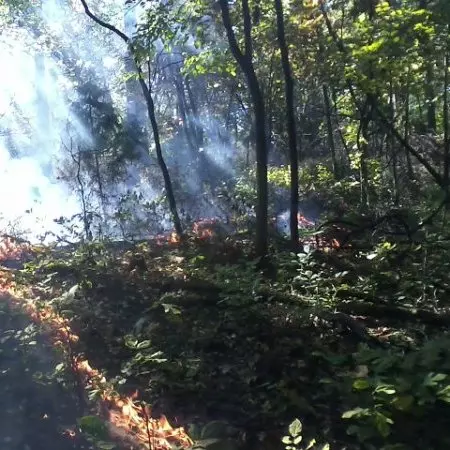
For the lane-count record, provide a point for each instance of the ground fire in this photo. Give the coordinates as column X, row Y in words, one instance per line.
column 127, row 418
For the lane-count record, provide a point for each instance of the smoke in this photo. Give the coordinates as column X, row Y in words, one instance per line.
column 27, row 152
column 50, row 52
column 44, row 53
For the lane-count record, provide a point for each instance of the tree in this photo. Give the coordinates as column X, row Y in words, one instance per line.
column 245, row 61
column 290, row 116
column 152, row 116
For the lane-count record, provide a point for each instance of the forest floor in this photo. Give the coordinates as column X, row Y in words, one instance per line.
column 36, row 413
column 199, row 333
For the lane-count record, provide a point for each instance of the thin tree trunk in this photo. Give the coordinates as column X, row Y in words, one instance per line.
column 135, row 106
column 152, row 116
column 445, row 115
column 182, row 108
column 409, row 166
column 429, row 80
column 199, row 133
column 430, row 100
column 159, row 155
column 363, row 147
column 244, row 59
column 330, row 134
column 340, row 134
column 391, row 145
column 291, row 128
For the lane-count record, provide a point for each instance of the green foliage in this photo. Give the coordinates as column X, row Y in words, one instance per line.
column 279, row 176
column 97, row 432
column 294, row 440
column 395, row 390
column 209, row 62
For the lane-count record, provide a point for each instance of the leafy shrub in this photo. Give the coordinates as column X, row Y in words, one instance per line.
column 403, row 398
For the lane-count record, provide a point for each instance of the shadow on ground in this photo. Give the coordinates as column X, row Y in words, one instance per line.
column 36, row 413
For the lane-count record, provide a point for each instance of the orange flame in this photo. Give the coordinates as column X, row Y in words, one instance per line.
column 11, row 249
column 303, row 221
column 124, row 413
column 206, row 228
column 174, row 238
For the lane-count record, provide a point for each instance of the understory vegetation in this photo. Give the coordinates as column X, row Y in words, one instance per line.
column 351, row 339
column 258, row 255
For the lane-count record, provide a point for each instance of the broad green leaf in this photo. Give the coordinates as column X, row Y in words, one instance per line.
column 356, row 412
column 404, row 402
column 295, row 428
column 361, row 384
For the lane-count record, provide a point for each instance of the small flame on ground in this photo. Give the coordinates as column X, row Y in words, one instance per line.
column 124, row 413
column 304, row 222
column 69, row 433
column 206, row 228
column 174, row 238
column 11, row 249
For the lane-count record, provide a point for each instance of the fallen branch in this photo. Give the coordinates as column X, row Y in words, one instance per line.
column 395, row 312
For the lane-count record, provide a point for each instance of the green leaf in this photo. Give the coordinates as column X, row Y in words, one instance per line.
column 205, row 443
column 143, row 344
column 295, row 428
column 403, row 403
column 439, row 377
column 356, row 412
column 93, row 426
column 286, row 440
column 59, row 368
column 383, row 424
column 361, row 384
column 386, row 389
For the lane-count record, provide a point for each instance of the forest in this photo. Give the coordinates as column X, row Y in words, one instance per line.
column 236, row 231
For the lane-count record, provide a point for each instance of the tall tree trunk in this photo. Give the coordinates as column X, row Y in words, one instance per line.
column 193, row 130
column 430, row 98
column 445, row 116
column 330, row 134
column 199, row 132
column 391, row 144
column 182, row 108
column 365, row 121
column 135, row 105
column 429, row 80
column 152, row 116
column 363, row 147
column 245, row 61
column 159, row 154
column 97, row 171
column 409, row 166
column 291, row 128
